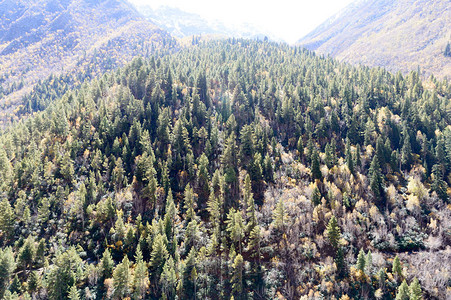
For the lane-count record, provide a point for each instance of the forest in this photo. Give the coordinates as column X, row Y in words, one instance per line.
column 231, row 169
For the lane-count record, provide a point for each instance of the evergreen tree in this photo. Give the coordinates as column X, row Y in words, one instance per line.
column 403, row 291
column 168, row 278
column 316, row 196
column 349, row 159
column 189, row 203
column 376, row 182
column 121, row 279
column 333, row 232
column 300, row 148
column 316, row 172
column 237, row 277
column 280, row 216
column 415, row 292
column 397, row 269
column 158, row 257
column 140, row 276
column 235, row 227
column 438, row 184
column 361, row 261
column 15, row 286
column 73, row 293
column 6, row 219
column 106, row 265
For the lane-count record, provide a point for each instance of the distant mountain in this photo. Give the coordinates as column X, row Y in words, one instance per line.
column 398, row 35
column 181, row 24
column 39, row 38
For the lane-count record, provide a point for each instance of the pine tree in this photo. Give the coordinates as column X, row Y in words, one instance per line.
column 168, row 278
column 349, row 160
column 438, row 184
column 158, row 257
column 33, row 281
column 376, row 182
column 229, row 160
column 361, row 261
column 235, row 227
column 106, row 265
column 237, row 277
column 248, row 201
column 397, row 269
column 329, row 159
column 316, row 172
column 15, row 286
column 280, row 216
column 203, row 189
column 73, row 293
column 316, row 196
column 121, row 279
column 27, row 253
column 140, row 276
column 6, row 219
column 187, row 285
column 403, row 291
column 189, row 204
column 415, row 292
column 369, row 262
column 406, row 152
column 333, row 232
column 300, row 148
column 340, row 263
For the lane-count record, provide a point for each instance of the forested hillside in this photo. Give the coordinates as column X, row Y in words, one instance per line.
column 231, row 170
column 72, row 40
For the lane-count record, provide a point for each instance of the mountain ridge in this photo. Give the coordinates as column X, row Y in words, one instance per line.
column 38, row 39
column 397, row 35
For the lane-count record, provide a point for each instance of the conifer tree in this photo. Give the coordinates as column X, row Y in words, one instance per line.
column 140, row 276
column 415, row 292
column 376, row 180
column 406, row 152
column 280, row 216
column 189, row 203
column 329, row 160
column 397, row 269
column 403, row 291
column 106, row 265
column 15, row 286
column 237, row 277
column 316, row 196
column 340, row 263
column 316, row 172
column 6, row 219
column 121, row 279
column 235, row 227
column 438, row 184
column 361, row 261
column 300, row 148
column 73, row 293
column 168, row 278
column 349, row 159
column 333, row 232
column 369, row 262
column 158, row 257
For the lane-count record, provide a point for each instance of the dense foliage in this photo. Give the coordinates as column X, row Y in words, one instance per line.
column 231, row 169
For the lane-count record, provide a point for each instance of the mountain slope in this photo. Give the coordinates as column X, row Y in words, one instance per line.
column 181, row 24
column 39, row 38
column 228, row 169
column 398, row 35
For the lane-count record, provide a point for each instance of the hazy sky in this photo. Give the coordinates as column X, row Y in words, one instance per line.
column 287, row 19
